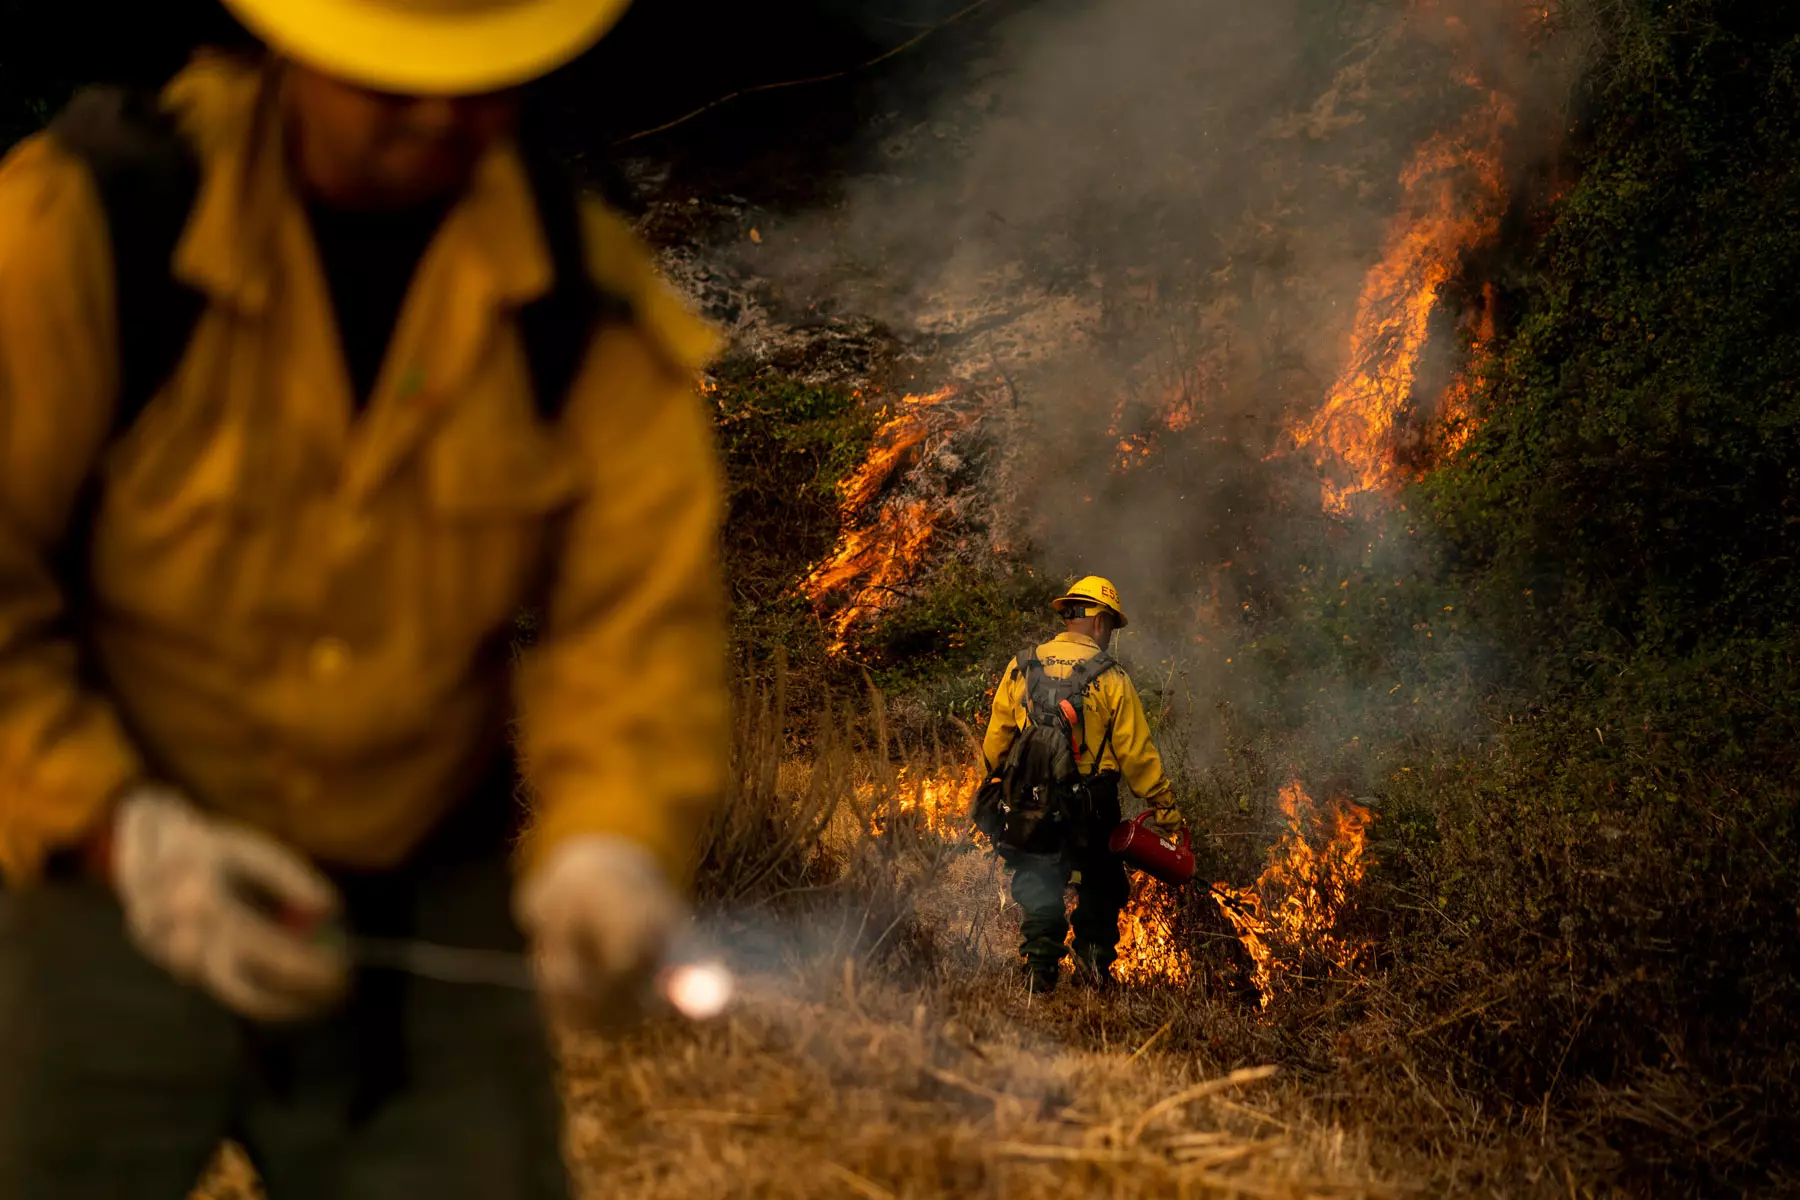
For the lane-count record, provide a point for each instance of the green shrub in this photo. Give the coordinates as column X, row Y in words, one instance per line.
column 786, row 446
column 1610, row 885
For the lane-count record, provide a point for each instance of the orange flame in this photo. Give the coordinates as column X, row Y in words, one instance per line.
column 876, row 555
column 1454, row 196
column 937, row 803
column 1292, row 913
column 1149, row 950
column 1456, row 412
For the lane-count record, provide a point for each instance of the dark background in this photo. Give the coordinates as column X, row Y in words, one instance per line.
column 665, row 58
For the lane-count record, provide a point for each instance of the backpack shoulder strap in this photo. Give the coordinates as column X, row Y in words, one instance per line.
column 147, row 176
column 1088, row 670
column 1037, row 699
column 558, row 327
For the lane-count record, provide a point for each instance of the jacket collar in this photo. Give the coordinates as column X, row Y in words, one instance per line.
column 228, row 250
column 1076, row 639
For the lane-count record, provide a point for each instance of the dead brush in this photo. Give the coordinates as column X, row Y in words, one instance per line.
column 846, row 830
column 768, row 837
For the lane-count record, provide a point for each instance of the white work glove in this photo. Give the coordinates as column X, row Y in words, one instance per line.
column 601, row 915
column 205, row 899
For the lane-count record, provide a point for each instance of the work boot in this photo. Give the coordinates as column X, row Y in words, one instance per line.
column 1093, row 967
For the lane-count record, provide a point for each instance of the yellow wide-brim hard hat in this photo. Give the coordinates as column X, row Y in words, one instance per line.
column 430, row 47
column 1092, row 590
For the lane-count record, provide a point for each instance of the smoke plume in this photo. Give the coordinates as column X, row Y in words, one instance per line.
column 1162, row 224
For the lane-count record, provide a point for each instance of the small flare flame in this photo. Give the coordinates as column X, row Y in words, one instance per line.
column 1291, row 915
column 1454, row 197
column 878, row 553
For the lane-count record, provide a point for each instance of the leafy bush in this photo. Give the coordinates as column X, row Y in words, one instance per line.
column 1611, row 885
column 945, row 648
column 786, row 446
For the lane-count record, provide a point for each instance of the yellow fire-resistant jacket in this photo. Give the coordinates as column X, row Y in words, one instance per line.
column 301, row 613
column 1111, row 702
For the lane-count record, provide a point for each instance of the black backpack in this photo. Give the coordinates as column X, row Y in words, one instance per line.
column 147, row 177
column 1041, row 804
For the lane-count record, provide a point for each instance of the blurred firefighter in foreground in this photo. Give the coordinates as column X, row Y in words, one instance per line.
column 312, row 376
column 1067, row 724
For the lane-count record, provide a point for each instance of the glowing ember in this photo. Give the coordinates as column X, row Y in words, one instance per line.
column 1455, row 194
column 1175, row 413
column 1149, row 950
column 1292, row 913
column 1134, row 450
column 877, row 554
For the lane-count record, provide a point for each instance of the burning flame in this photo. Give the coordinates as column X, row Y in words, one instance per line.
column 1454, row 197
column 1456, row 412
column 1292, row 913
column 876, row 555
column 937, row 803
column 1149, row 950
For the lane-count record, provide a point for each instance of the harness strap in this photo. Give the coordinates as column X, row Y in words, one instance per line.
column 1081, row 677
column 1074, row 723
column 557, row 327
column 147, row 177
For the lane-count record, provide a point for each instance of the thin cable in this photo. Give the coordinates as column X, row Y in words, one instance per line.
column 908, row 44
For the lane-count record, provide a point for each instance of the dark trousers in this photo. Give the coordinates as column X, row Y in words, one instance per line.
column 116, row 1081
column 1039, row 882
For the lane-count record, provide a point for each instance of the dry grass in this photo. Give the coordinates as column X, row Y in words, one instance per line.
column 824, row 1084
column 884, row 1045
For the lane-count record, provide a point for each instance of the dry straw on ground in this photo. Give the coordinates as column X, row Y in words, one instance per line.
column 823, row 1084
column 885, row 1046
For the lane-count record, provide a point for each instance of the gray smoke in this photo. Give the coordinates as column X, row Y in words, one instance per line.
column 1129, row 209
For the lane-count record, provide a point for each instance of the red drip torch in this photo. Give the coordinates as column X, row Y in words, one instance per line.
column 1167, row 859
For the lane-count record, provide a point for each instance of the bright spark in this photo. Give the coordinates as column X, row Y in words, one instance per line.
column 698, row 991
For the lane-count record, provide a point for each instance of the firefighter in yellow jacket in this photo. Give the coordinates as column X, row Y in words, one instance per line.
column 257, row 603
column 1110, row 738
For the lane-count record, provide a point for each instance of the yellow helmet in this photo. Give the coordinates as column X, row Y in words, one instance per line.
column 430, row 47
column 1089, row 591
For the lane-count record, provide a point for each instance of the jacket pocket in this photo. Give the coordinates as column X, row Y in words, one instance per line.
column 169, row 533
column 494, row 509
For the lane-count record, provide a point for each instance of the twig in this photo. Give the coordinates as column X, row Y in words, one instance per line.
column 850, row 985
column 1199, row 1091
column 1149, row 1042
column 858, row 1184
column 1012, row 392
column 708, row 1116
column 1250, row 1112
column 1203, row 1157
column 1454, row 1017
column 951, row 1079
column 892, row 925
column 1065, row 1153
